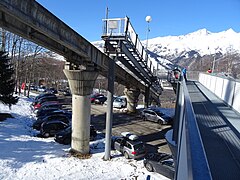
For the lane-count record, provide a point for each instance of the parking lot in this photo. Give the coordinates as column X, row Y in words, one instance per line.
column 149, row 132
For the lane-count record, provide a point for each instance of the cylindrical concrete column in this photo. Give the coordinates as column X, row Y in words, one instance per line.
column 81, row 84
column 132, row 99
column 81, row 123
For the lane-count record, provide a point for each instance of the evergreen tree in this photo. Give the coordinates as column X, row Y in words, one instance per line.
column 7, row 82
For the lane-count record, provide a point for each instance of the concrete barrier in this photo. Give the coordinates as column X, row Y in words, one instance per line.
column 225, row 88
column 236, row 97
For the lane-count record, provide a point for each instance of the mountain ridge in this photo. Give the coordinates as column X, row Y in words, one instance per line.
column 202, row 41
column 191, row 49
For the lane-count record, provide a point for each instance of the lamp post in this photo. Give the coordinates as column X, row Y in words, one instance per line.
column 213, row 66
column 146, row 95
column 214, row 59
column 148, row 20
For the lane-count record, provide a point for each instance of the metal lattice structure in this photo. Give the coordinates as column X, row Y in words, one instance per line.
column 122, row 41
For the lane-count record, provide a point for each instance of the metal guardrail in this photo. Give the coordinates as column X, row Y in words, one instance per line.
column 122, row 27
column 191, row 161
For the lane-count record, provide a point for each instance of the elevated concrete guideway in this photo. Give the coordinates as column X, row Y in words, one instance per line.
column 32, row 21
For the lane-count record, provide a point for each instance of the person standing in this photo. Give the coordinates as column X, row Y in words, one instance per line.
column 209, row 70
column 184, row 72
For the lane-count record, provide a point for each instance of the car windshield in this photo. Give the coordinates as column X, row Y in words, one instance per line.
column 159, row 113
column 68, row 130
column 168, row 162
column 118, row 100
column 138, row 146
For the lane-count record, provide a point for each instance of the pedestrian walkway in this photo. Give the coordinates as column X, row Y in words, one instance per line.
column 219, row 127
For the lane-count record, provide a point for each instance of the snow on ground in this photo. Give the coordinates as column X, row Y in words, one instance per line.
column 25, row 156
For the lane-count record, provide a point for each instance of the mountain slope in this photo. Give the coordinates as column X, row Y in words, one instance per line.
column 196, row 50
column 201, row 42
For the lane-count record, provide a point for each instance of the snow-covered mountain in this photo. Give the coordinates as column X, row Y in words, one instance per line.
column 201, row 42
column 194, row 50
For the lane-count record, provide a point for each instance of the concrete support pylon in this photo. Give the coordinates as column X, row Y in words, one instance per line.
column 81, row 84
column 146, row 96
column 132, row 99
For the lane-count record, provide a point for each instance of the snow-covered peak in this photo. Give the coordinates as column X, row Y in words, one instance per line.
column 202, row 41
column 200, row 32
column 230, row 31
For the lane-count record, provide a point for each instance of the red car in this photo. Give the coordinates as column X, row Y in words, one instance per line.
column 39, row 105
column 94, row 96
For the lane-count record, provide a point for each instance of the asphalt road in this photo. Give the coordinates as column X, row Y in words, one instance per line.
column 149, row 132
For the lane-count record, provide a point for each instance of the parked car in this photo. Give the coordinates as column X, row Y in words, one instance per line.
column 41, row 89
column 50, row 128
column 161, row 163
column 130, row 146
column 42, row 112
column 100, row 99
column 48, row 106
column 33, row 88
column 119, row 102
column 65, row 136
column 56, row 117
column 67, row 93
column 42, row 95
column 52, row 90
column 93, row 97
column 156, row 115
column 44, row 99
column 56, row 112
column 39, row 105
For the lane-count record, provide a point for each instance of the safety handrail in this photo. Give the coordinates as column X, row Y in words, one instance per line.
column 191, row 161
column 123, row 27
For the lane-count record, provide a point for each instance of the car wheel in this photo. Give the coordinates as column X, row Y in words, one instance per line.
column 66, row 141
column 126, row 155
column 149, row 167
column 46, row 135
column 113, row 145
column 144, row 118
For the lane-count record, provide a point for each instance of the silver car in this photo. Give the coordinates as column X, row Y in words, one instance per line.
column 156, row 115
column 133, row 149
column 120, row 102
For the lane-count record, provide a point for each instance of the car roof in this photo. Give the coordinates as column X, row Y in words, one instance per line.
column 133, row 142
column 158, row 156
column 58, row 115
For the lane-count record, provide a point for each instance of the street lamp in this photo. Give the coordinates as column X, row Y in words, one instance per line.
column 146, row 95
column 214, row 59
column 148, row 20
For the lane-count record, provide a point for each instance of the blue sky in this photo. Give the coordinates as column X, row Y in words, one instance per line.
column 169, row 17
